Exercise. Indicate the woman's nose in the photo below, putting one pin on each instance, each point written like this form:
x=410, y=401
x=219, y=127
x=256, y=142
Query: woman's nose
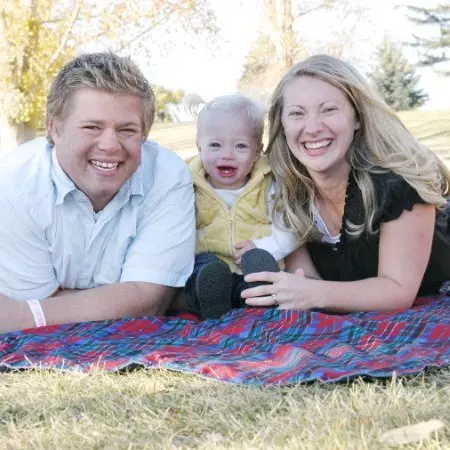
x=313, y=124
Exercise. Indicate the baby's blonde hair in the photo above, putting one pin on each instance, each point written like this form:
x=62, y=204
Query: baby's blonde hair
x=235, y=104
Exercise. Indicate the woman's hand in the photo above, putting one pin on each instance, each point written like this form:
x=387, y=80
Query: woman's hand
x=287, y=290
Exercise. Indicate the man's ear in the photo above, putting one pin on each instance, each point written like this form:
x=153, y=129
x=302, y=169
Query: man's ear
x=54, y=129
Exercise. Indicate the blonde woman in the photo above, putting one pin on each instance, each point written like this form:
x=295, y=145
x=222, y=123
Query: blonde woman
x=366, y=198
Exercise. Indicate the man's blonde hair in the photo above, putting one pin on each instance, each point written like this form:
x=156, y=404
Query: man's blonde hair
x=105, y=71
x=235, y=104
x=381, y=144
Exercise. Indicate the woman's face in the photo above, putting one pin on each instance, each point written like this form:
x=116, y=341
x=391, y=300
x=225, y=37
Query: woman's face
x=319, y=123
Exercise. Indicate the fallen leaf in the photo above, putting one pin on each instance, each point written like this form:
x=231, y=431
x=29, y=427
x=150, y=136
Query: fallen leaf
x=411, y=433
x=215, y=437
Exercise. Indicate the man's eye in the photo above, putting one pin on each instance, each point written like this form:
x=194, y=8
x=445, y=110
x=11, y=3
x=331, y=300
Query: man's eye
x=128, y=130
x=91, y=127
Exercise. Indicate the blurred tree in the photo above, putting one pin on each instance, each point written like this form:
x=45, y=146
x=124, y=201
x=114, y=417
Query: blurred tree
x=435, y=48
x=37, y=37
x=281, y=42
x=193, y=103
x=395, y=78
x=164, y=97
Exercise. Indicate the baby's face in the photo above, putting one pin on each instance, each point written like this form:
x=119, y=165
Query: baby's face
x=228, y=149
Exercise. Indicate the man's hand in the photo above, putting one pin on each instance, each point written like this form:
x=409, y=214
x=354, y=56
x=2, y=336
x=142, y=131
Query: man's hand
x=14, y=315
x=241, y=248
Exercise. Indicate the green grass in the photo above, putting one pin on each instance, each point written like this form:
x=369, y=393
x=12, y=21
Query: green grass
x=432, y=128
x=164, y=410
x=179, y=137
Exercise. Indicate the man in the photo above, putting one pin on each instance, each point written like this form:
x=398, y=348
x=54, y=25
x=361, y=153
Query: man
x=96, y=223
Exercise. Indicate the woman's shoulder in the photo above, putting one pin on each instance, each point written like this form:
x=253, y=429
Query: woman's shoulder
x=386, y=179
x=393, y=194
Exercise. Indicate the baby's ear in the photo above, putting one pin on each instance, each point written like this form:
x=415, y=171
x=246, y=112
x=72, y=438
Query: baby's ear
x=198, y=146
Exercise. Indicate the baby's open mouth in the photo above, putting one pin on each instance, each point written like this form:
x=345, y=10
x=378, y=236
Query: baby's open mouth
x=226, y=171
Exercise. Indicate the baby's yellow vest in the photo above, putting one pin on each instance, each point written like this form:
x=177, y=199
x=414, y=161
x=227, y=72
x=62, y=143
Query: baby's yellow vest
x=220, y=228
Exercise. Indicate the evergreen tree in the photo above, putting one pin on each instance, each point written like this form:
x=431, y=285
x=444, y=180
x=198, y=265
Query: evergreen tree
x=436, y=47
x=395, y=79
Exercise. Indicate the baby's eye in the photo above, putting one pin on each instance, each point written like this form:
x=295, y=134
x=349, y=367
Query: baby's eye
x=241, y=146
x=214, y=145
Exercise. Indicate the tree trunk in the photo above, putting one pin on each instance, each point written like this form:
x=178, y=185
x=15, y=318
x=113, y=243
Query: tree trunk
x=8, y=135
x=25, y=132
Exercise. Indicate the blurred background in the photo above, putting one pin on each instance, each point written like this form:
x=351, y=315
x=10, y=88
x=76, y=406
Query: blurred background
x=192, y=50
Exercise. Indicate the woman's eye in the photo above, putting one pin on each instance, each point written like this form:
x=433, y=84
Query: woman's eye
x=330, y=109
x=296, y=114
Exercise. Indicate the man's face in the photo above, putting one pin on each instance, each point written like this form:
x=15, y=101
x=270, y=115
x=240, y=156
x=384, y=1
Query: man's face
x=98, y=144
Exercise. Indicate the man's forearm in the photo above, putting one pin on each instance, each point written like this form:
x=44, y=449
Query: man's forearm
x=14, y=315
x=131, y=299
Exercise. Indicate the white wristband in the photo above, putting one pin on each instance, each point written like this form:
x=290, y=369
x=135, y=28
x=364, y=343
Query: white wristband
x=38, y=313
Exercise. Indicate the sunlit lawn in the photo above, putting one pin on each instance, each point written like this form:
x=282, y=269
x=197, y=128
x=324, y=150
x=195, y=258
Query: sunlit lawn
x=161, y=409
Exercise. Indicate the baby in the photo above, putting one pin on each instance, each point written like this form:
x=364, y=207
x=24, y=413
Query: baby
x=233, y=194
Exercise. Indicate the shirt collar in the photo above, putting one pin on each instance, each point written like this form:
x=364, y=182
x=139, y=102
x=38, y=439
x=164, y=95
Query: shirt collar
x=64, y=185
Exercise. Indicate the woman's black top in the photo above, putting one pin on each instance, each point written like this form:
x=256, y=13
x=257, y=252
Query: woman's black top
x=357, y=258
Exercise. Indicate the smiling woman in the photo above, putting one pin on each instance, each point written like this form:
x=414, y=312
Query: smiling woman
x=365, y=197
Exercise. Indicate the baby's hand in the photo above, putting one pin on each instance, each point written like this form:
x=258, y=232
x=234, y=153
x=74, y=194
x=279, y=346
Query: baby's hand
x=241, y=248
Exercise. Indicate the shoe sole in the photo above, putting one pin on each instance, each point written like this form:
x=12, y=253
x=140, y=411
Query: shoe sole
x=258, y=260
x=213, y=287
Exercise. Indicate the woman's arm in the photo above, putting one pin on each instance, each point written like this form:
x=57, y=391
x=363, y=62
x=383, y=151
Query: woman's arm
x=404, y=252
x=300, y=259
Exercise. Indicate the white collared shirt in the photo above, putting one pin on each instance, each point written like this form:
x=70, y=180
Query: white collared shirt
x=51, y=237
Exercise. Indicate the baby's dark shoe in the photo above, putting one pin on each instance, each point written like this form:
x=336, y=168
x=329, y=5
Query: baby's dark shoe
x=213, y=285
x=258, y=260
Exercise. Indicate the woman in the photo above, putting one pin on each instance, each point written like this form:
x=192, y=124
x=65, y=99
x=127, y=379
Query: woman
x=366, y=198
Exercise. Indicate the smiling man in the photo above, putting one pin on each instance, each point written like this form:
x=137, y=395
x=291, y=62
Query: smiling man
x=97, y=223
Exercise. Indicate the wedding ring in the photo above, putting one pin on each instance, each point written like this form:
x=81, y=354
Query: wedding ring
x=275, y=300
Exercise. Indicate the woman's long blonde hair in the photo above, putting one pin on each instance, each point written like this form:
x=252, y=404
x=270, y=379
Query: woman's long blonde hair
x=381, y=144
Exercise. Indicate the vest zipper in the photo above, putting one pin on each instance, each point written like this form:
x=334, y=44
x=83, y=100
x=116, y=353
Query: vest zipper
x=231, y=225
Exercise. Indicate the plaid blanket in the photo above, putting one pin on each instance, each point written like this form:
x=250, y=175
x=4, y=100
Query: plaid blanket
x=251, y=346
